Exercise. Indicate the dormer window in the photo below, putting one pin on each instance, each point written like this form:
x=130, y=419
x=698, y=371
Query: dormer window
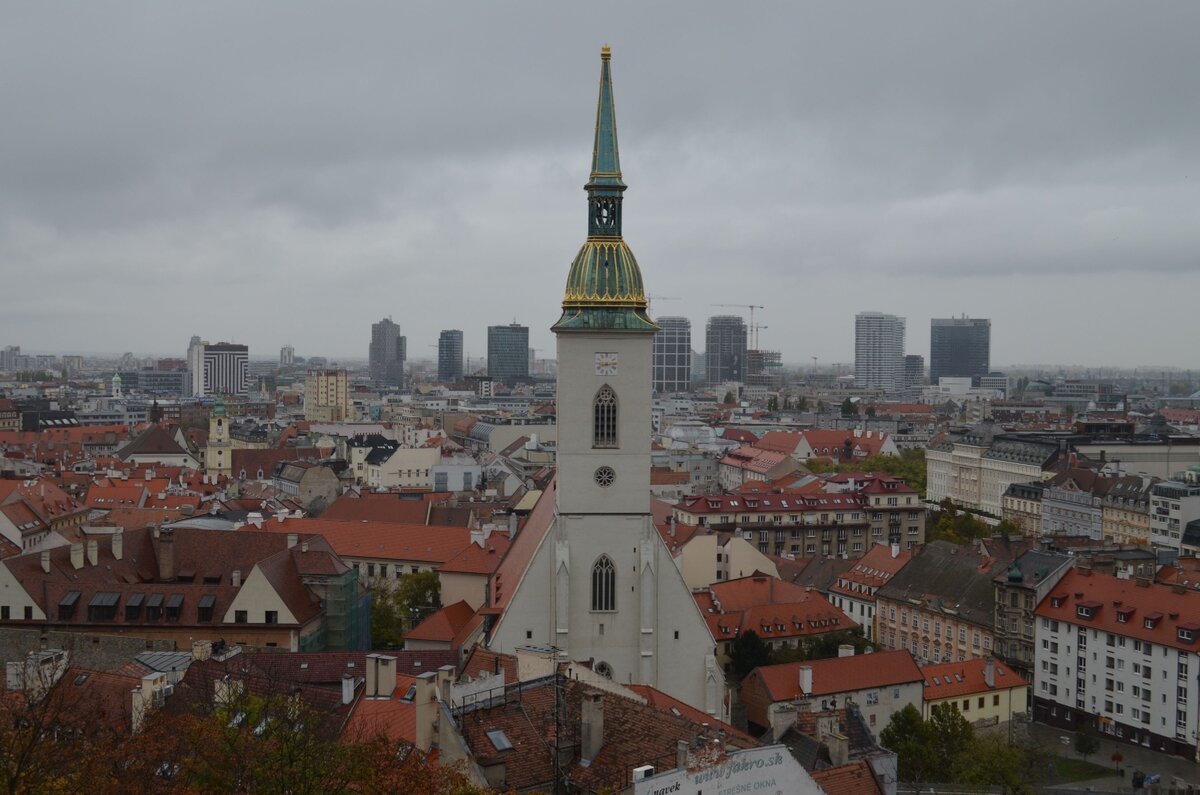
x=1186, y=635
x=1083, y=612
x=1056, y=601
x=1152, y=620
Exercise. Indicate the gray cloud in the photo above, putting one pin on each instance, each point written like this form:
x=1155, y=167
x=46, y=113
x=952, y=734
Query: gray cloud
x=303, y=170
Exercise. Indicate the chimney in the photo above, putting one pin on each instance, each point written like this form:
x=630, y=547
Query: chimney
x=347, y=688
x=292, y=539
x=166, y=555
x=895, y=550
x=846, y=650
x=591, y=733
x=805, y=679
x=381, y=676
x=671, y=526
x=77, y=556
x=118, y=544
x=445, y=678
x=46, y=561
x=681, y=755
x=202, y=650
x=512, y=525
x=93, y=552
x=426, y=707
x=989, y=672
x=477, y=538
x=235, y=579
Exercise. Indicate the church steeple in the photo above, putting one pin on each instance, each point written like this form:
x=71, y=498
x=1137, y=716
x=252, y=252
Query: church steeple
x=604, y=286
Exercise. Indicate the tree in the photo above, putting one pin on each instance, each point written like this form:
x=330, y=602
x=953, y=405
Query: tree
x=950, y=735
x=729, y=398
x=870, y=412
x=749, y=652
x=823, y=646
x=1086, y=744
x=907, y=735
x=398, y=608
x=772, y=403
x=849, y=409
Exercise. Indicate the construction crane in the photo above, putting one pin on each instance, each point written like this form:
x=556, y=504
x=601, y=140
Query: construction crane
x=754, y=329
x=751, y=307
x=652, y=298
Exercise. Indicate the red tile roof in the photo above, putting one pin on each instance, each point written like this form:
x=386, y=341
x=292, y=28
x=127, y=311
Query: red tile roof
x=515, y=564
x=476, y=559
x=854, y=778
x=952, y=679
x=392, y=718
x=443, y=625
x=660, y=700
x=772, y=608
x=841, y=674
x=379, y=540
x=484, y=661
x=870, y=572
x=754, y=459
x=1168, y=609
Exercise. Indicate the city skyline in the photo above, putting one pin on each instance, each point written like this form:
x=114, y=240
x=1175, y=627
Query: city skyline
x=1039, y=166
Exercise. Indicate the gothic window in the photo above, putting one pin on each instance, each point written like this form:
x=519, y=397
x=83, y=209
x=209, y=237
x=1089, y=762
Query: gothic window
x=604, y=584
x=604, y=418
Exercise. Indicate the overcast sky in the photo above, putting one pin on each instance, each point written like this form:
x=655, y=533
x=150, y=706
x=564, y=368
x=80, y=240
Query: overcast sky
x=291, y=172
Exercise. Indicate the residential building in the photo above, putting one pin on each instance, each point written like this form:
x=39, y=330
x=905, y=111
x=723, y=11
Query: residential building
x=1021, y=505
x=1125, y=510
x=1121, y=656
x=247, y=588
x=879, y=352
x=724, y=349
x=450, y=356
x=312, y=484
x=851, y=444
x=914, y=371
x=960, y=347
x=508, y=353
x=402, y=468
x=986, y=692
x=783, y=615
x=1173, y=505
x=750, y=463
x=1019, y=590
x=974, y=467
x=587, y=573
x=854, y=591
x=878, y=509
x=941, y=605
x=10, y=415
x=706, y=556
x=287, y=356
x=1072, y=504
x=326, y=395
x=879, y=684
x=673, y=355
x=387, y=353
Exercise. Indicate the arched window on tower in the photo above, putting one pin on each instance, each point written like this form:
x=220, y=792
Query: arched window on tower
x=604, y=584
x=604, y=418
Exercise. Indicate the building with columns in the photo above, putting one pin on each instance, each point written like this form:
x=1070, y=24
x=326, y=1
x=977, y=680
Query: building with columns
x=601, y=584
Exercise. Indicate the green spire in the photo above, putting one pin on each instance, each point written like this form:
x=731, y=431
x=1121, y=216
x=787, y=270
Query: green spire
x=606, y=157
x=604, y=286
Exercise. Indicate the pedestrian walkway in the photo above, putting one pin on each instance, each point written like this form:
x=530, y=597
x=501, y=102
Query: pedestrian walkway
x=1135, y=758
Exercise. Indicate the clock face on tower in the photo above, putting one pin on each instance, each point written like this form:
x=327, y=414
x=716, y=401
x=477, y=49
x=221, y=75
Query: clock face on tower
x=606, y=364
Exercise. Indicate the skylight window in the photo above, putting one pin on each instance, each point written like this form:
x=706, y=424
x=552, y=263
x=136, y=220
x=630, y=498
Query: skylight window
x=499, y=739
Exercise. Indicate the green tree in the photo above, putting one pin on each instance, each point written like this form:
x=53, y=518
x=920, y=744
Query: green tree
x=907, y=735
x=993, y=761
x=801, y=403
x=950, y=735
x=1086, y=744
x=400, y=607
x=729, y=398
x=870, y=412
x=849, y=409
x=749, y=652
x=772, y=403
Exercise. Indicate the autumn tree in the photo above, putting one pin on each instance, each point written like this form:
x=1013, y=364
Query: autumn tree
x=749, y=652
x=395, y=609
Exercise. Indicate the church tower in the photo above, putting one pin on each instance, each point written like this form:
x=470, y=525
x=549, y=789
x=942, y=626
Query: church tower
x=602, y=585
x=218, y=453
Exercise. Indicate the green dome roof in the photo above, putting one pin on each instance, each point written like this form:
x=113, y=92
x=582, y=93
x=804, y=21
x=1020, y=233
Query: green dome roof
x=604, y=286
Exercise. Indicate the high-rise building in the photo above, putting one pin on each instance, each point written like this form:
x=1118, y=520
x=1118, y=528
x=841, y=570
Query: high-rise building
x=450, y=355
x=602, y=585
x=914, y=370
x=879, y=351
x=724, y=349
x=222, y=368
x=8, y=357
x=673, y=355
x=508, y=353
x=387, y=353
x=326, y=395
x=764, y=369
x=287, y=356
x=959, y=347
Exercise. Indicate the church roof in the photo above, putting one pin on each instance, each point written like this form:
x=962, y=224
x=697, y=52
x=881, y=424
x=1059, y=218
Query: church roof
x=604, y=286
